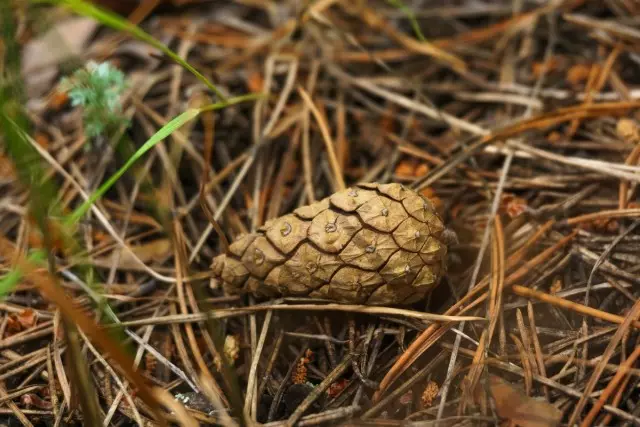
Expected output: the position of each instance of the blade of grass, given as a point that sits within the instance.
(45, 282)
(9, 281)
(398, 4)
(161, 134)
(116, 22)
(15, 133)
(13, 126)
(42, 208)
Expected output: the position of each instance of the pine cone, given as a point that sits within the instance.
(375, 244)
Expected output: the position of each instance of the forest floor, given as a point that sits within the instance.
(127, 127)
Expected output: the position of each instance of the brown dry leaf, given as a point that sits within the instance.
(523, 411)
(32, 400)
(27, 318)
(513, 205)
(337, 387)
(156, 250)
(147, 252)
(516, 207)
(120, 211)
(42, 55)
(13, 326)
(19, 322)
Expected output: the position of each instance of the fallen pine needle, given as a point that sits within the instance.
(363, 309)
(570, 305)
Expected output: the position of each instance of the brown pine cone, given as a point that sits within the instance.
(375, 244)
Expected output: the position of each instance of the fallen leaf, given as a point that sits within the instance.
(13, 326)
(156, 250)
(337, 387)
(513, 205)
(42, 55)
(27, 318)
(18, 322)
(31, 400)
(521, 410)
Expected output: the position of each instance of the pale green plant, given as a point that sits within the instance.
(98, 89)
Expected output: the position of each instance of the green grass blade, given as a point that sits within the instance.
(9, 281)
(14, 126)
(411, 16)
(116, 22)
(164, 132)
(232, 101)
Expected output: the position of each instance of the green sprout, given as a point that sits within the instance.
(97, 88)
